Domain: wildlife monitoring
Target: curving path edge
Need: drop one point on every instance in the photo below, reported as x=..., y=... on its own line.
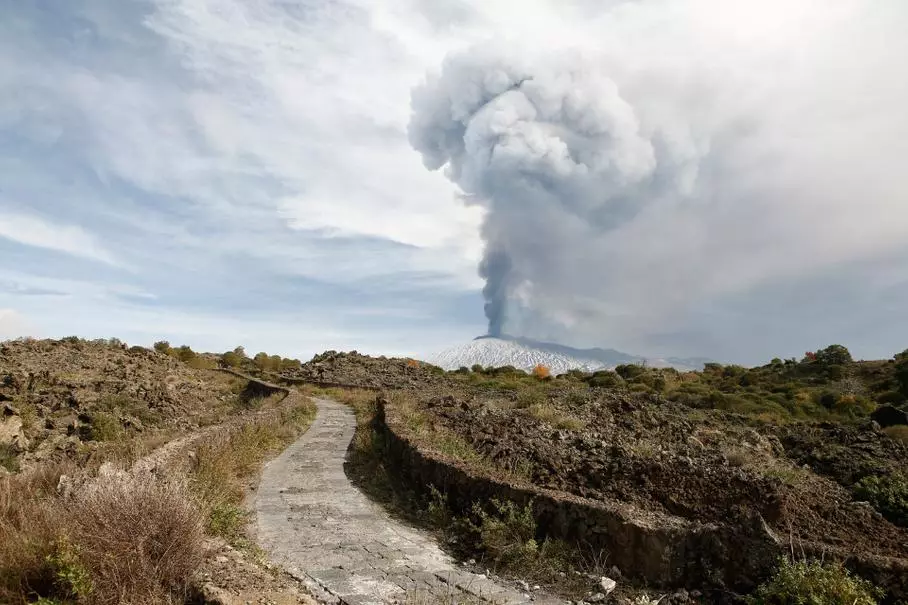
x=314, y=523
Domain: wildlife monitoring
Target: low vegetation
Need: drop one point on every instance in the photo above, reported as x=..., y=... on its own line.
x=77, y=526
x=694, y=445
x=814, y=583
x=888, y=494
x=119, y=540
x=223, y=466
x=826, y=384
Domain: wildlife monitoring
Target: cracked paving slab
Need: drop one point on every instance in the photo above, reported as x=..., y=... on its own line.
x=347, y=549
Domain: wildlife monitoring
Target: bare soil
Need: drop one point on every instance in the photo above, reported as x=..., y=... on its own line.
x=701, y=465
x=617, y=445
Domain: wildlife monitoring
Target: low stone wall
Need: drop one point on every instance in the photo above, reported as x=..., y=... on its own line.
x=256, y=387
x=654, y=548
x=660, y=550
x=328, y=385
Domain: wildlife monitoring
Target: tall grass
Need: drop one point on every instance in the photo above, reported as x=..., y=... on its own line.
x=223, y=465
x=121, y=540
x=124, y=539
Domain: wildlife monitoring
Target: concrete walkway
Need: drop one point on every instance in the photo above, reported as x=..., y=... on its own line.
x=347, y=549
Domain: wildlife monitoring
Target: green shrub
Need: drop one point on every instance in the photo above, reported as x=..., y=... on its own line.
x=8, y=458
x=629, y=371
x=833, y=355
x=227, y=520
x=889, y=495
x=104, y=427
x=899, y=433
x=437, y=510
x=892, y=397
x=814, y=583
x=508, y=533
x=201, y=363
x=183, y=353
x=605, y=379
x=71, y=578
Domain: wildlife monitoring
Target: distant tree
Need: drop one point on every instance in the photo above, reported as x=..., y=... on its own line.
x=162, y=346
x=184, y=353
x=290, y=364
x=240, y=351
x=261, y=360
x=231, y=359
x=477, y=368
x=628, y=370
x=901, y=372
x=833, y=355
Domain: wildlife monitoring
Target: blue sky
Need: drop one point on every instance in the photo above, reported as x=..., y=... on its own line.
x=223, y=172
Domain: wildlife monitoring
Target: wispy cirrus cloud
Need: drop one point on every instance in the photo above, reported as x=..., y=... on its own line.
x=41, y=233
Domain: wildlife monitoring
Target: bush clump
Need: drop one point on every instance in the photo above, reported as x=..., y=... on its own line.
x=118, y=539
x=507, y=534
x=814, y=583
x=889, y=495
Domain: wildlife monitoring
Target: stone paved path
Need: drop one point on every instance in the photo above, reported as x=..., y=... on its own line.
x=320, y=528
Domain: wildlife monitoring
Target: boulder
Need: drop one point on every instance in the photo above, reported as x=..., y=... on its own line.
x=11, y=434
x=887, y=415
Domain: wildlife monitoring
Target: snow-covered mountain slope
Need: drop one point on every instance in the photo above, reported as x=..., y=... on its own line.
x=526, y=354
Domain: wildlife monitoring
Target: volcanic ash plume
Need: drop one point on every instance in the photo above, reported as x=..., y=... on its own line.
x=558, y=158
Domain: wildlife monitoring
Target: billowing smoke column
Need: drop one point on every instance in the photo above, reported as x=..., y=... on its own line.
x=495, y=268
x=556, y=155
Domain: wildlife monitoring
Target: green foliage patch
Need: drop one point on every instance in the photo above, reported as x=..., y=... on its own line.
x=888, y=494
x=814, y=583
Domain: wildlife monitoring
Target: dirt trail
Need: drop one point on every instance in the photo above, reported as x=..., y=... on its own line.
x=347, y=549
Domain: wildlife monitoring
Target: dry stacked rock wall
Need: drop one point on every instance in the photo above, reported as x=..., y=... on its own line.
x=657, y=549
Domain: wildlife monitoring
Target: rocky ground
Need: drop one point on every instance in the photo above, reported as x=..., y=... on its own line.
x=695, y=464
x=92, y=414
x=65, y=398
x=353, y=369
x=614, y=444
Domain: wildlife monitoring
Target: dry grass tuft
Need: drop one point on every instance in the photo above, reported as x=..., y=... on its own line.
x=899, y=433
x=139, y=539
x=117, y=540
x=31, y=521
x=548, y=413
x=223, y=464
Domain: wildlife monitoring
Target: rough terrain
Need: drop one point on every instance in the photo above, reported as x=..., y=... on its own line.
x=630, y=444
x=134, y=430
x=317, y=525
x=65, y=398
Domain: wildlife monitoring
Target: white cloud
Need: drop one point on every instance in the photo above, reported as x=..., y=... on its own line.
x=71, y=239
x=215, y=131
x=785, y=120
x=13, y=325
